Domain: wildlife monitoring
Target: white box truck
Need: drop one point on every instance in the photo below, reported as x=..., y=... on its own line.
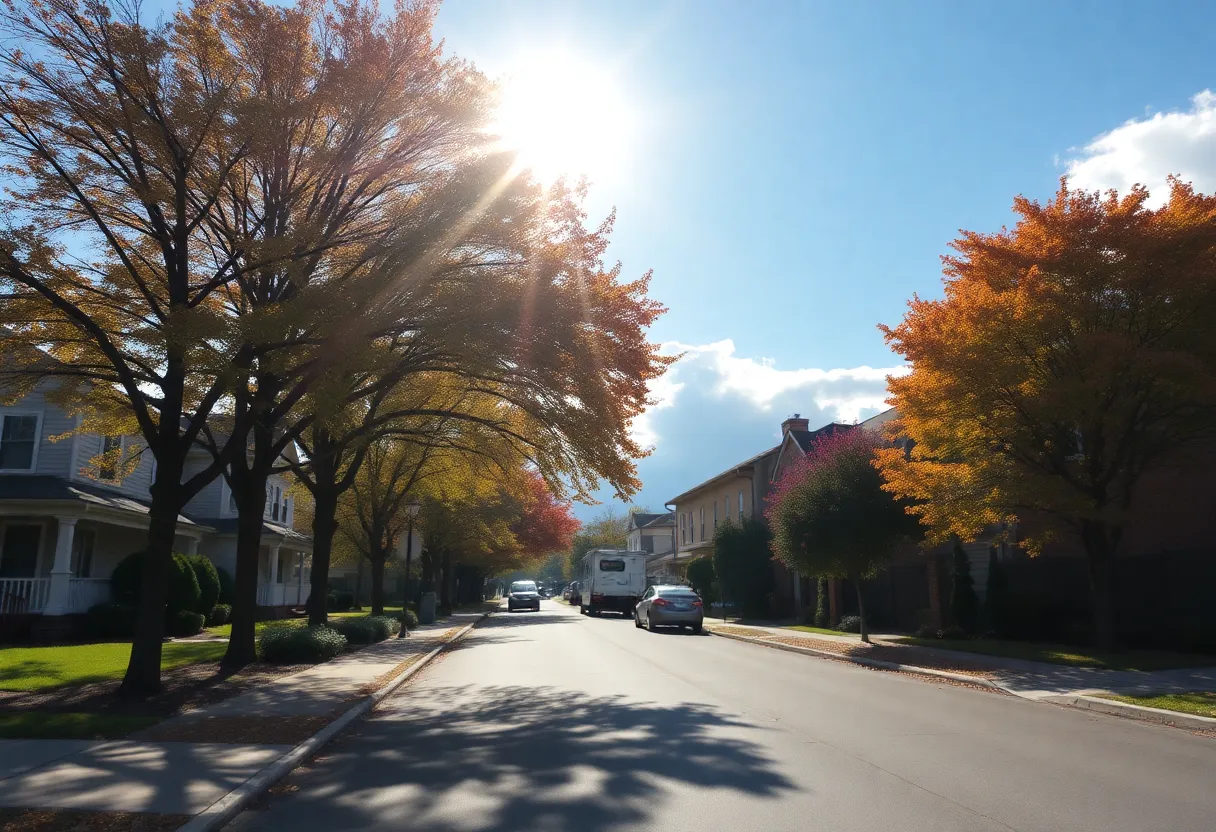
x=612, y=579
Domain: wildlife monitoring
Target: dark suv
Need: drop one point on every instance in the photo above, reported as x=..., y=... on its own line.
x=523, y=595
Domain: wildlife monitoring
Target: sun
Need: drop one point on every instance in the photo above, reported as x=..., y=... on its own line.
x=563, y=117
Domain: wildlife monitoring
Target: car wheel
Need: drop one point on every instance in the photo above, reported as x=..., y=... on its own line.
x=637, y=621
x=582, y=610
x=697, y=628
x=650, y=625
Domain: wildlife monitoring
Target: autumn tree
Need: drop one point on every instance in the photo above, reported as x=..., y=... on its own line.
x=545, y=523
x=832, y=518
x=118, y=137
x=1069, y=355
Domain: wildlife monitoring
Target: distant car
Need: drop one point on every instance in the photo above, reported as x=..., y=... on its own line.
x=523, y=595
x=545, y=592
x=566, y=592
x=676, y=606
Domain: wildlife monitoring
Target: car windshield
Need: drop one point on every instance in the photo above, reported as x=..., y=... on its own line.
x=523, y=586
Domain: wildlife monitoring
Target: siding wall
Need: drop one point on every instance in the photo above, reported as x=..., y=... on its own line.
x=54, y=458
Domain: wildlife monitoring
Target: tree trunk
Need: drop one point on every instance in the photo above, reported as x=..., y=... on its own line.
x=143, y=669
x=250, y=490
x=377, y=560
x=445, y=581
x=428, y=571
x=861, y=610
x=324, y=525
x=933, y=576
x=1098, y=540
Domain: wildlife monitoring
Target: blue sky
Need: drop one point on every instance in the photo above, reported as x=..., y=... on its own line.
x=797, y=168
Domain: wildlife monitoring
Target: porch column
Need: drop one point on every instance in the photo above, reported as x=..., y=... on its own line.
x=59, y=595
x=274, y=564
x=191, y=545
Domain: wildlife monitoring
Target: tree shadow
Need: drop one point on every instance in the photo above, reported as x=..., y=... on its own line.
x=511, y=758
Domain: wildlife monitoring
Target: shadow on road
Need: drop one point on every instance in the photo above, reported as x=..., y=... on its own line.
x=512, y=758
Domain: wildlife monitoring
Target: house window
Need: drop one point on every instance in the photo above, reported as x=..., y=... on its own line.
x=288, y=510
x=683, y=536
x=18, y=441
x=19, y=555
x=111, y=452
x=740, y=505
x=82, y=553
x=715, y=513
x=726, y=507
x=702, y=523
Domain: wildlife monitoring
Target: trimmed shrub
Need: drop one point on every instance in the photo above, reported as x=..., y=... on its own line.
x=366, y=629
x=186, y=623
x=220, y=614
x=298, y=645
x=927, y=631
x=226, y=585
x=386, y=625
x=208, y=578
x=823, y=606
x=954, y=633
x=411, y=619
x=701, y=576
x=111, y=621
x=996, y=602
x=849, y=624
x=964, y=604
x=343, y=601
x=183, y=590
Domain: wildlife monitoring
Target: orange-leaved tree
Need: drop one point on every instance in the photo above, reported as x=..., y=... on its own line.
x=1069, y=355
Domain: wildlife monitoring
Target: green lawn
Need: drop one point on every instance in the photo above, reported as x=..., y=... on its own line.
x=39, y=725
x=821, y=630
x=225, y=630
x=39, y=668
x=1199, y=703
x=1074, y=656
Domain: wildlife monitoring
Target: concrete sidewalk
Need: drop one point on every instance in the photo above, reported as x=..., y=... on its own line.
x=185, y=764
x=1028, y=679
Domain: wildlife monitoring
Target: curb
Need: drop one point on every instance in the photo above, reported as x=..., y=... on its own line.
x=231, y=804
x=905, y=668
x=1129, y=711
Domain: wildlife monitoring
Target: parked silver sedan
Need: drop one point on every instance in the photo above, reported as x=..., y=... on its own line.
x=676, y=606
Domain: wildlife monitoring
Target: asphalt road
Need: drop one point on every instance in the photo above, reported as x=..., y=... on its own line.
x=554, y=721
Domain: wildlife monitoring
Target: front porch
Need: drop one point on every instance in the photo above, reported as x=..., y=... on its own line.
x=57, y=552
x=284, y=577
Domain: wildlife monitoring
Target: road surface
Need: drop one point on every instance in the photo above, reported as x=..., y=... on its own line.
x=555, y=721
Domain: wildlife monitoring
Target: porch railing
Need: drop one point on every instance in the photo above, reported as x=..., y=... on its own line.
x=23, y=595
x=282, y=595
x=86, y=592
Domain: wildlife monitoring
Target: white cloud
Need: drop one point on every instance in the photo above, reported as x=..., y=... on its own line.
x=739, y=384
x=1145, y=151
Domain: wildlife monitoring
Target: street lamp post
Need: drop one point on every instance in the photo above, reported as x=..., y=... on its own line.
x=412, y=508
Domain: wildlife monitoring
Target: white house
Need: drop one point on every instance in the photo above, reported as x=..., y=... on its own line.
x=65, y=522
x=654, y=534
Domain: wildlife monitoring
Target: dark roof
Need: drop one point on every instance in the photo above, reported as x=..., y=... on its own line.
x=668, y=519
x=807, y=438
x=728, y=472
x=42, y=487
x=229, y=526
x=642, y=519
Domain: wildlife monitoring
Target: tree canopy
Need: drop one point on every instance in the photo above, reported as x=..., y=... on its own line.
x=831, y=516
x=1069, y=355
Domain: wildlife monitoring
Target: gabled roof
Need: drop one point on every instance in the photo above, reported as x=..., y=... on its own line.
x=660, y=520
x=806, y=439
x=737, y=470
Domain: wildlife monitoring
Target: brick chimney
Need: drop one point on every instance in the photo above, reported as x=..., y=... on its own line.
x=795, y=422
